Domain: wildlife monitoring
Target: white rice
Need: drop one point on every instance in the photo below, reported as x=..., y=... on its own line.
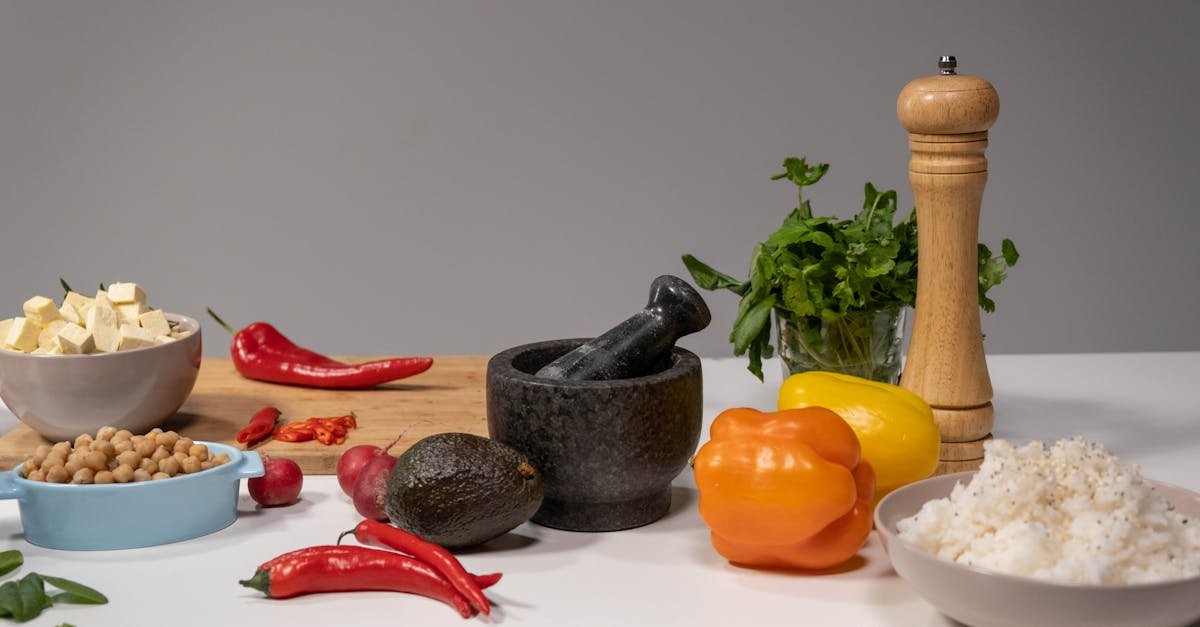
x=1070, y=513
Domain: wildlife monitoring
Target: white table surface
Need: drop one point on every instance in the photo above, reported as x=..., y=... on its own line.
x=1140, y=405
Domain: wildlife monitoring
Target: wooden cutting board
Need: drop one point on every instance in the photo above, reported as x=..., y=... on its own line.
x=447, y=397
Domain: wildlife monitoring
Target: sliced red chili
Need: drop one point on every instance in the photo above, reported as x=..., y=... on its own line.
x=261, y=424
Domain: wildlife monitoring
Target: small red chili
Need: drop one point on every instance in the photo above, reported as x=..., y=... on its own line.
x=375, y=533
x=260, y=426
x=349, y=568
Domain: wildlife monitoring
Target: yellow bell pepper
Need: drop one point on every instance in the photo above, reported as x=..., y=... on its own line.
x=894, y=426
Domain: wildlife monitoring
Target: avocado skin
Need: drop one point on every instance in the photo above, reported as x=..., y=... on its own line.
x=459, y=489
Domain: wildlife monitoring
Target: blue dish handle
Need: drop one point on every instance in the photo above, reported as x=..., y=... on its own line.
x=250, y=466
x=9, y=488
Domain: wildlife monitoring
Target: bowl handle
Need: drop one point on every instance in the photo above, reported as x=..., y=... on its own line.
x=250, y=466
x=9, y=488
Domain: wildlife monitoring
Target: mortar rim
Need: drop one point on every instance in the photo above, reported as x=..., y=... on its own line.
x=686, y=363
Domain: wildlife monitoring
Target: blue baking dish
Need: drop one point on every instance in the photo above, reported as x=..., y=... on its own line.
x=130, y=515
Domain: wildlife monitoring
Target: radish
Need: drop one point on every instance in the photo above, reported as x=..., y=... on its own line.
x=279, y=485
x=351, y=463
x=371, y=488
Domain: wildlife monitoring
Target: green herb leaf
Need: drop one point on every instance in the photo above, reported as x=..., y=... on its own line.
x=73, y=592
x=1009, y=251
x=751, y=325
x=10, y=561
x=708, y=278
x=24, y=598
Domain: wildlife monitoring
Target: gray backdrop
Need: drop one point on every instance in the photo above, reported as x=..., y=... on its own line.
x=459, y=177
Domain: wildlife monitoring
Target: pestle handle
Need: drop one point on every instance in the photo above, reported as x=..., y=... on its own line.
x=635, y=346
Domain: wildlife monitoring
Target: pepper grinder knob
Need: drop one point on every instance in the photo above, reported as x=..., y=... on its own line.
x=947, y=117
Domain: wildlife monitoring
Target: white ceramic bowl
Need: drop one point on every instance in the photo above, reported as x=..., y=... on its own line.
x=62, y=396
x=987, y=599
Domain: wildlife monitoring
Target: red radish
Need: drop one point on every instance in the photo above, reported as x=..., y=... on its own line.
x=351, y=463
x=280, y=485
x=372, y=486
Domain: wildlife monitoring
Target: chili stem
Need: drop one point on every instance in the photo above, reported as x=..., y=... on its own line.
x=220, y=321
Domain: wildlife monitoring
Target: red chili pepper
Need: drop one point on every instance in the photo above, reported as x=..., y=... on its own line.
x=348, y=568
x=375, y=533
x=294, y=432
x=260, y=426
x=483, y=581
x=261, y=352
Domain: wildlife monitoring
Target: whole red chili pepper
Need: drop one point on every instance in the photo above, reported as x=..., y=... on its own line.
x=261, y=352
x=483, y=581
x=261, y=425
x=346, y=568
x=376, y=533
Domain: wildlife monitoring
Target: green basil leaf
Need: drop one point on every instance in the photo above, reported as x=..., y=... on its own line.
x=708, y=278
x=751, y=325
x=75, y=592
x=1009, y=251
x=24, y=598
x=10, y=561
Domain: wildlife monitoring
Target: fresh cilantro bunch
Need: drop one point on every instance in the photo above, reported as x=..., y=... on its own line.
x=821, y=271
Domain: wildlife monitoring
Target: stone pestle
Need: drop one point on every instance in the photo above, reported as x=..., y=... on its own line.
x=639, y=344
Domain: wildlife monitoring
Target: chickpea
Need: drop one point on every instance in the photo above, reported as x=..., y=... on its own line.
x=221, y=459
x=40, y=454
x=55, y=458
x=83, y=441
x=199, y=451
x=183, y=444
x=83, y=475
x=205, y=465
x=149, y=465
x=37, y=475
x=120, y=446
x=123, y=474
x=123, y=434
x=191, y=465
x=141, y=475
x=179, y=457
x=159, y=475
x=106, y=433
x=29, y=467
x=169, y=465
x=154, y=432
x=58, y=474
x=145, y=448
x=95, y=460
x=160, y=453
x=168, y=440
x=129, y=458
x=104, y=447
x=137, y=439
x=63, y=447
x=104, y=476
x=72, y=466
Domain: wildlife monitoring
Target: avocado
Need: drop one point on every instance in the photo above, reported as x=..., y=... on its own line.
x=459, y=489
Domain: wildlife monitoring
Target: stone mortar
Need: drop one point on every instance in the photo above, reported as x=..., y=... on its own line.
x=607, y=450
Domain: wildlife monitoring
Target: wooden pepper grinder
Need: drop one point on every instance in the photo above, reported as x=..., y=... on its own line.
x=947, y=117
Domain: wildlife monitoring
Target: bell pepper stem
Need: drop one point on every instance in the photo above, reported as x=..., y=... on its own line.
x=220, y=321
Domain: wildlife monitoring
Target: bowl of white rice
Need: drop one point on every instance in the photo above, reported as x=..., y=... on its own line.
x=1048, y=535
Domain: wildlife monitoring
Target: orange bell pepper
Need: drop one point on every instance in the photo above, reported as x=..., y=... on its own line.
x=786, y=489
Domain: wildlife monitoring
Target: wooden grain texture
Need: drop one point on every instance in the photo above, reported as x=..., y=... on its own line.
x=963, y=451
x=947, y=118
x=949, y=467
x=448, y=397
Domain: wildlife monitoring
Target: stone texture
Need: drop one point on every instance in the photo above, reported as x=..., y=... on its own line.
x=639, y=345
x=607, y=450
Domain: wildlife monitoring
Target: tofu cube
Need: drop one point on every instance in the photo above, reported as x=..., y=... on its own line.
x=135, y=337
x=102, y=299
x=164, y=339
x=5, y=325
x=52, y=350
x=155, y=321
x=121, y=293
x=23, y=335
x=75, y=340
x=70, y=314
x=76, y=300
x=102, y=322
x=129, y=313
x=41, y=311
x=49, y=332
